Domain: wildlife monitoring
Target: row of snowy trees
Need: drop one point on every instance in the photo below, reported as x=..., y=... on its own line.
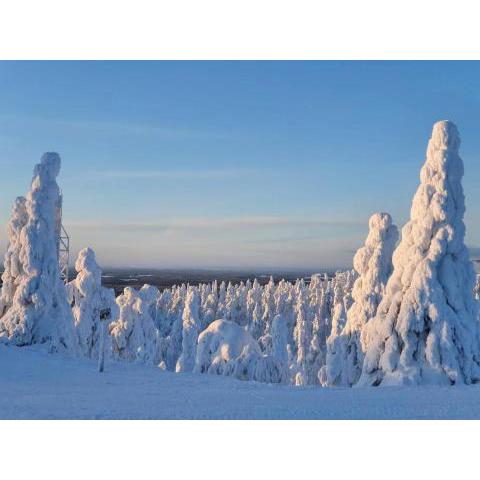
x=271, y=333
x=406, y=314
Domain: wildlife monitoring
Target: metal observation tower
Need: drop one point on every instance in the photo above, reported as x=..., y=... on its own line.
x=63, y=242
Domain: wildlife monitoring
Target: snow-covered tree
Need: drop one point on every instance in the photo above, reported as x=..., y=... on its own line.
x=426, y=328
x=302, y=340
x=348, y=289
x=209, y=308
x=273, y=368
x=224, y=348
x=373, y=263
x=40, y=312
x=254, y=298
x=190, y=319
x=87, y=298
x=255, y=326
x=221, y=306
x=150, y=295
x=279, y=342
x=476, y=288
x=316, y=351
x=13, y=268
x=339, y=316
x=219, y=347
x=326, y=310
x=134, y=335
x=333, y=346
x=173, y=344
x=268, y=305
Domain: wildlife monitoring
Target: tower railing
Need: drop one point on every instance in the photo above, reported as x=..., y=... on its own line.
x=63, y=253
x=63, y=242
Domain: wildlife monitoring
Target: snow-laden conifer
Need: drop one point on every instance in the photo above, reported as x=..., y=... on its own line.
x=40, y=312
x=209, y=309
x=88, y=298
x=273, y=368
x=190, y=332
x=134, y=335
x=13, y=268
x=302, y=339
x=373, y=264
x=333, y=348
x=316, y=351
x=219, y=347
x=426, y=328
x=150, y=295
x=173, y=344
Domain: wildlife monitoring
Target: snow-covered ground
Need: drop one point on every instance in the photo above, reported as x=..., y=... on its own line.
x=35, y=384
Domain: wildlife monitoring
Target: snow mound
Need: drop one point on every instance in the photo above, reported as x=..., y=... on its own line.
x=225, y=348
x=220, y=345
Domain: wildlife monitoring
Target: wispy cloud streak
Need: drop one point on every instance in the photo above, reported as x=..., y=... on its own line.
x=114, y=128
x=204, y=174
x=251, y=222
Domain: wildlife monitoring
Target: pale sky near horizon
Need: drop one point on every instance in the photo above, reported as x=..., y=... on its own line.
x=233, y=164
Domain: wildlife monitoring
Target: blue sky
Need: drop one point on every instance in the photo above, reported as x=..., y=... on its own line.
x=233, y=164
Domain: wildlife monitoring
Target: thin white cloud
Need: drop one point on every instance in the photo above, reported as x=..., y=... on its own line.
x=115, y=128
x=246, y=222
x=204, y=174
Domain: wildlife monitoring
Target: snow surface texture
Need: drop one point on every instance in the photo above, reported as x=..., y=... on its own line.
x=426, y=327
x=373, y=264
x=35, y=385
x=39, y=312
x=87, y=298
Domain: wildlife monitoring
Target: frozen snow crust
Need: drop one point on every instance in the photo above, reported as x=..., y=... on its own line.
x=35, y=385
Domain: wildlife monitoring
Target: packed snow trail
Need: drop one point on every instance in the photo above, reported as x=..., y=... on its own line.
x=38, y=385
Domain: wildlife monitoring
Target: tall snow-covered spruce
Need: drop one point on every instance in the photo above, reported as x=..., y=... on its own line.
x=190, y=317
x=273, y=368
x=87, y=298
x=373, y=263
x=133, y=334
x=40, y=312
x=426, y=329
